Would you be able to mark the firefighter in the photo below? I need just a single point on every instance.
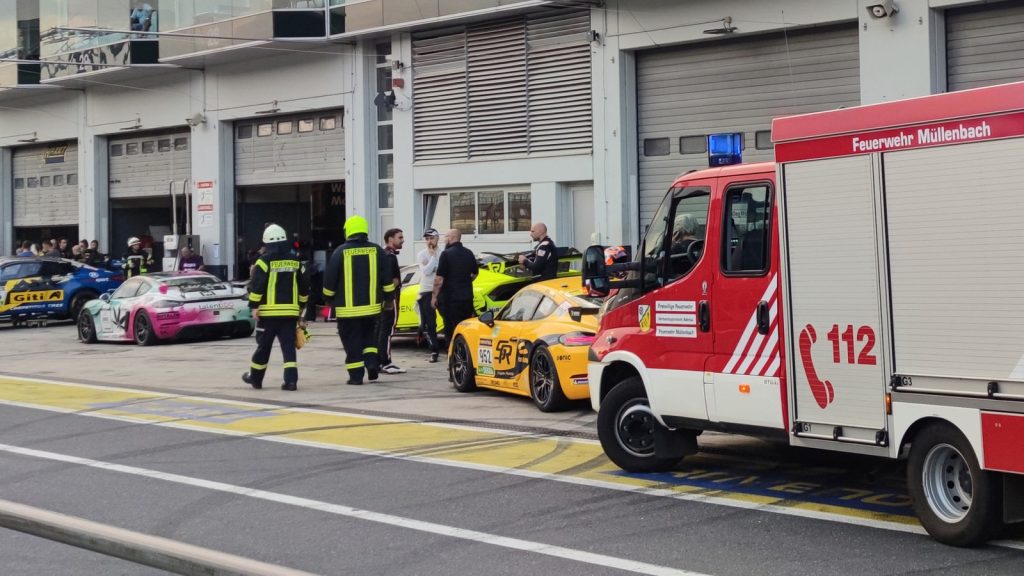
(136, 260)
(277, 292)
(359, 283)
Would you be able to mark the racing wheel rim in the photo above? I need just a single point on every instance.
(541, 374)
(142, 328)
(85, 331)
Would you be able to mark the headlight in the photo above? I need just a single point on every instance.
(167, 304)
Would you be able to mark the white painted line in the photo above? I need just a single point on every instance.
(590, 482)
(349, 512)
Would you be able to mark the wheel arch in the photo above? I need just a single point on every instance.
(617, 371)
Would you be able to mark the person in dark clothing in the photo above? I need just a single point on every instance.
(394, 239)
(277, 292)
(358, 281)
(136, 260)
(453, 287)
(544, 260)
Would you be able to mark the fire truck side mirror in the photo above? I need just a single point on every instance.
(595, 272)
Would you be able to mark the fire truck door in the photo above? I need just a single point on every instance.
(674, 331)
(746, 364)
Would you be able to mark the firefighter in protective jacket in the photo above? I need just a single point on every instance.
(277, 292)
(136, 260)
(358, 282)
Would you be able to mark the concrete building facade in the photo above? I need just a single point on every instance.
(483, 115)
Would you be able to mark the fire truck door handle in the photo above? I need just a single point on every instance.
(704, 316)
(762, 317)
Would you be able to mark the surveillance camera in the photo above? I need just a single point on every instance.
(883, 9)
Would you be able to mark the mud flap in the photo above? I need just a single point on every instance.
(674, 443)
(1013, 496)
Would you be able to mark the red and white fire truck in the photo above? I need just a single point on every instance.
(863, 294)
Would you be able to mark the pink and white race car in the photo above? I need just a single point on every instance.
(167, 306)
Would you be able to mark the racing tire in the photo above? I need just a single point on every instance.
(142, 330)
(463, 373)
(957, 502)
(86, 328)
(79, 301)
(545, 389)
(625, 426)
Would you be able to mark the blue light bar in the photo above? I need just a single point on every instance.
(725, 149)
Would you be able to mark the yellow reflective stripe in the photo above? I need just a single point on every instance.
(348, 276)
(256, 366)
(279, 313)
(356, 311)
(291, 364)
(369, 350)
(328, 293)
(262, 265)
(255, 297)
(389, 288)
(372, 260)
(272, 289)
(354, 365)
(303, 299)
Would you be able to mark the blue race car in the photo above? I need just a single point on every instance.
(50, 287)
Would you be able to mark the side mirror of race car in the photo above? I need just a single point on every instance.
(487, 318)
(106, 296)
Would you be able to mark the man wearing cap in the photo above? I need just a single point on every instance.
(136, 260)
(358, 281)
(427, 261)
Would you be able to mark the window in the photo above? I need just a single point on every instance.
(117, 150)
(386, 166)
(547, 306)
(387, 194)
(180, 144)
(128, 289)
(265, 129)
(72, 179)
(19, 183)
(244, 131)
(763, 140)
(689, 226)
(693, 144)
(33, 182)
(483, 212)
(58, 180)
(491, 212)
(44, 181)
(328, 123)
(656, 147)
(163, 145)
(385, 139)
(745, 246)
(148, 147)
(131, 148)
(21, 270)
(521, 307)
(284, 127)
(464, 212)
(305, 125)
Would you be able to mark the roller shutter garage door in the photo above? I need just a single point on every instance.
(46, 185)
(143, 166)
(736, 85)
(291, 149)
(984, 45)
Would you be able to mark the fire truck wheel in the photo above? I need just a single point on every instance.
(462, 366)
(625, 426)
(545, 389)
(958, 503)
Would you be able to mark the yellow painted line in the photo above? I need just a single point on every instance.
(569, 460)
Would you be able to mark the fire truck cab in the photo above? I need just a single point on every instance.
(864, 294)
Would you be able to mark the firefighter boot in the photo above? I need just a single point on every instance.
(250, 381)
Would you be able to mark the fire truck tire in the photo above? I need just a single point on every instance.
(463, 375)
(625, 426)
(958, 503)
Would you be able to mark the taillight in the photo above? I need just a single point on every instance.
(163, 288)
(576, 339)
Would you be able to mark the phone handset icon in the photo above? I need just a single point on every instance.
(822, 390)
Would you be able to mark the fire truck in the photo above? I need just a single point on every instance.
(862, 294)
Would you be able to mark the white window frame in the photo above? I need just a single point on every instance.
(506, 191)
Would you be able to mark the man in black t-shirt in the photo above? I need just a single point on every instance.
(453, 287)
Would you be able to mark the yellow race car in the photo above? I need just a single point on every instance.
(536, 345)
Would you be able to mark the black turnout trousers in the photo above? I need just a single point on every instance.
(269, 329)
(359, 337)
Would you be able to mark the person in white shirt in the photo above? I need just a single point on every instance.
(427, 261)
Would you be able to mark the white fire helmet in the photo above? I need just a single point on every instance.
(274, 233)
(133, 241)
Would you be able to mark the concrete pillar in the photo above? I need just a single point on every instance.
(6, 203)
(213, 194)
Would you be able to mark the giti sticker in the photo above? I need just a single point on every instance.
(643, 316)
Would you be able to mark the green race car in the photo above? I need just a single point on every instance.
(498, 280)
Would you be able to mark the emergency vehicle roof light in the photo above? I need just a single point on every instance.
(725, 149)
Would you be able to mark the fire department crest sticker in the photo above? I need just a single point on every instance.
(643, 316)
